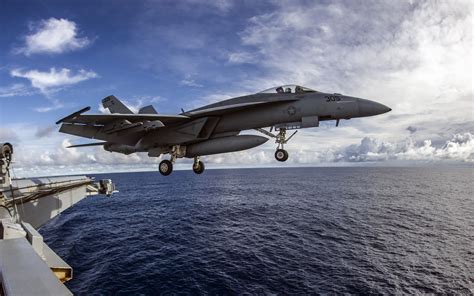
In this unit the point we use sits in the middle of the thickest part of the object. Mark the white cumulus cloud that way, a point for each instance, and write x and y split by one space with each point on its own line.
459 148
53 36
8 135
415 57
42 151
54 79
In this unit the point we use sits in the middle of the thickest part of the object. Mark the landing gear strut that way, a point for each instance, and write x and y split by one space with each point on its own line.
166 166
280 154
198 166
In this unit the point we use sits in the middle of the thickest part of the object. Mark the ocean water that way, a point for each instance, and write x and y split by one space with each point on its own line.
274 231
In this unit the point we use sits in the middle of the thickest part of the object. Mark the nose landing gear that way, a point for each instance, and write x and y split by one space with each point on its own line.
280 154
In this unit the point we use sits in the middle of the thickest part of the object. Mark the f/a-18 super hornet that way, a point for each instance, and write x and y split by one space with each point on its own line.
215 128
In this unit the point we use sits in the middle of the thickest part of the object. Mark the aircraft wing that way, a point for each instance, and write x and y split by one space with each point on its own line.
219 110
102 119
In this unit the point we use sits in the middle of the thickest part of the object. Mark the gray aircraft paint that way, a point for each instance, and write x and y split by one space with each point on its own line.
213 128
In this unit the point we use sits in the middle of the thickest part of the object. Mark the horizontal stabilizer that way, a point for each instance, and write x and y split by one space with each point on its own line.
87 145
73 115
115 105
147 110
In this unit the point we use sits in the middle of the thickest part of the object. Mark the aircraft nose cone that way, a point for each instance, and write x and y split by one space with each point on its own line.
370 108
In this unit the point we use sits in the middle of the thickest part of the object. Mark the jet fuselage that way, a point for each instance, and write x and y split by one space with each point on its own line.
215 128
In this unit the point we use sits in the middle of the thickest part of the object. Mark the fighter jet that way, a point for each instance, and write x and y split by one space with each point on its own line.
215 128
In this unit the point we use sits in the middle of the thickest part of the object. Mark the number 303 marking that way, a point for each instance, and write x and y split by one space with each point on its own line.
332 98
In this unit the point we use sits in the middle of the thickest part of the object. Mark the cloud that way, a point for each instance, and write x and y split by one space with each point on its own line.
54 158
42 132
53 36
460 148
55 106
241 58
220 6
334 44
412 129
212 98
17 89
8 135
415 57
53 80
135 104
47 154
103 110
188 81
196 45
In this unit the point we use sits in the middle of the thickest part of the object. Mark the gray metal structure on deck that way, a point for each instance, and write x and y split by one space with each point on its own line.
28 266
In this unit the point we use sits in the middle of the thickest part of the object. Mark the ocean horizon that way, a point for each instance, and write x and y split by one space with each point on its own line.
187 166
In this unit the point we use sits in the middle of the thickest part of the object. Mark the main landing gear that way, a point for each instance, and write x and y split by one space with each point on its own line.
280 154
166 166
198 166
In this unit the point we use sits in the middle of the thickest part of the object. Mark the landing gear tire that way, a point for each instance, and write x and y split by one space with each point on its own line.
281 155
165 167
198 167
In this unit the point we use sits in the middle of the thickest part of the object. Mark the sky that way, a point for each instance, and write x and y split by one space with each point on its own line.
416 57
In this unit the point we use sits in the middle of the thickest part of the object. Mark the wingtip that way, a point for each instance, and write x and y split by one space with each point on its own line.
74 114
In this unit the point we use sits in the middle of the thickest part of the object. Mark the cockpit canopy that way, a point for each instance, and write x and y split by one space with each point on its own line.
289 88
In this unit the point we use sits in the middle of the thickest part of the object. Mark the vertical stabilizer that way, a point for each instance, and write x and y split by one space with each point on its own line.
115 106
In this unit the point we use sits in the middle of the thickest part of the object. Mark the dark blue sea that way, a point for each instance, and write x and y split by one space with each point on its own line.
274 231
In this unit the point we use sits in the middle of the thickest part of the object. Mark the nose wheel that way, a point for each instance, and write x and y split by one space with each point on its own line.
281 155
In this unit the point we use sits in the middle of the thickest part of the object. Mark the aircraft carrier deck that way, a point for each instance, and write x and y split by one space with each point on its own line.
27 265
